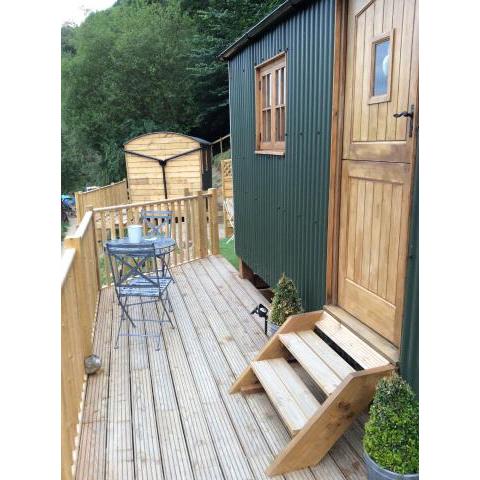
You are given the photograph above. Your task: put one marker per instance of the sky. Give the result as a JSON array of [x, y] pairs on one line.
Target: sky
[[76, 10]]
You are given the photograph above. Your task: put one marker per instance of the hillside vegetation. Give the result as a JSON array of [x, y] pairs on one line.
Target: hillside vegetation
[[143, 66]]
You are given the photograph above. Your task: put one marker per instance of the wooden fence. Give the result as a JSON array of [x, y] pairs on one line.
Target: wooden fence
[[80, 288], [227, 191], [113, 194], [195, 226]]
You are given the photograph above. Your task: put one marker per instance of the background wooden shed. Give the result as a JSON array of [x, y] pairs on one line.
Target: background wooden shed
[[187, 163]]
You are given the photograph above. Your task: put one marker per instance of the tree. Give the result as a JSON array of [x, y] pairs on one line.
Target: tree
[[286, 301], [129, 75], [219, 23], [143, 66]]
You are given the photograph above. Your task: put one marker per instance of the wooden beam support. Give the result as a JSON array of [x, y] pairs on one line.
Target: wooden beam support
[[245, 271], [336, 414], [274, 347]]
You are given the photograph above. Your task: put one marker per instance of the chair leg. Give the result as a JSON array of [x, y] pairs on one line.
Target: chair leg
[[166, 311], [160, 317], [170, 307], [124, 313], [122, 318], [124, 310]]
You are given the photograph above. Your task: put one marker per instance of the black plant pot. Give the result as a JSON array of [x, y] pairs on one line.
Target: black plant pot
[[376, 472]]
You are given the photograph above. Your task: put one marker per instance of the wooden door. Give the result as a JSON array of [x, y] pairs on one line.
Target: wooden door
[[378, 151]]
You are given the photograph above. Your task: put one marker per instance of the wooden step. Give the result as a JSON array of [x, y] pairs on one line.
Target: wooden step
[[350, 343], [367, 334], [320, 361], [291, 398]]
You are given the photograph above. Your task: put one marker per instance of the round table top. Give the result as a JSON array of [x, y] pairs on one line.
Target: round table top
[[162, 244]]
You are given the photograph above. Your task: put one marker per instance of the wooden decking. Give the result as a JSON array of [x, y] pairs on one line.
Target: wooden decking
[[167, 414]]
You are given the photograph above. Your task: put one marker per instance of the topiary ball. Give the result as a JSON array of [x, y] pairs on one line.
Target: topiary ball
[[391, 433]]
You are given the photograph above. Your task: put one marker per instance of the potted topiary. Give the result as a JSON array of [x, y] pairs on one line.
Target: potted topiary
[[286, 302], [391, 433]]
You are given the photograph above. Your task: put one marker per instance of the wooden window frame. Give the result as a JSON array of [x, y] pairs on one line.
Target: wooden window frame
[[375, 41], [270, 66]]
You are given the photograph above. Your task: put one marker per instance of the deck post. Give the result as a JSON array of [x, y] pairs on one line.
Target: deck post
[[200, 226], [202, 217], [78, 208], [213, 220], [245, 271], [89, 208]]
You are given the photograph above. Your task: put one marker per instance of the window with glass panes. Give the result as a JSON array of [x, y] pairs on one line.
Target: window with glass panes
[[270, 105]]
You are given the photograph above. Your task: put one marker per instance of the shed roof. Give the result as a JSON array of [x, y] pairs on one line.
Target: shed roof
[[283, 11], [199, 140]]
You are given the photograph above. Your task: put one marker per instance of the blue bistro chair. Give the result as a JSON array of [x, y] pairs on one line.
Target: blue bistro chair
[[135, 274], [158, 223]]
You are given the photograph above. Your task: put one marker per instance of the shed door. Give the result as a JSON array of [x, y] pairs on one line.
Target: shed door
[[378, 151]]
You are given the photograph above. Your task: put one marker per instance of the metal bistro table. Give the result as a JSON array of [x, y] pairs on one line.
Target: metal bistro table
[[163, 247]]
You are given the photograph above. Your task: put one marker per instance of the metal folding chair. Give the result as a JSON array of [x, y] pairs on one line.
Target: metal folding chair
[[136, 274], [158, 224]]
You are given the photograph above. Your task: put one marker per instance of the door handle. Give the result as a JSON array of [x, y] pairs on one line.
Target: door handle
[[410, 116]]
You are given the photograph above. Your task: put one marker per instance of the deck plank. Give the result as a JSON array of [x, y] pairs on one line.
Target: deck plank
[[91, 460], [249, 434], [235, 318], [222, 430], [277, 436], [260, 406], [172, 433], [148, 460], [120, 458], [232, 277], [168, 414], [227, 296], [204, 459]]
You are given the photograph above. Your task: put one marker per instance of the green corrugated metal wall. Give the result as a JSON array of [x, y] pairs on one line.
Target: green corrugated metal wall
[[281, 202], [409, 346]]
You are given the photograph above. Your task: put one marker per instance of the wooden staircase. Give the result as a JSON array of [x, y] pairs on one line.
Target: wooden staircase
[[344, 367]]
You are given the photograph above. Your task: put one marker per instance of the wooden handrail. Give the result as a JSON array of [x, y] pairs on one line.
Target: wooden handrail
[[113, 184], [150, 202], [80, 293]]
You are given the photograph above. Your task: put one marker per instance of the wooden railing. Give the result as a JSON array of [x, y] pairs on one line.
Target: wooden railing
[[84, 270], [113, 194], [194, 228], [80, 288], [227, 191], [220, 141]]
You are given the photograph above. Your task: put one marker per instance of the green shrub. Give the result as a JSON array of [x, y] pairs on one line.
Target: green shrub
[[286, 301], [391, 433]]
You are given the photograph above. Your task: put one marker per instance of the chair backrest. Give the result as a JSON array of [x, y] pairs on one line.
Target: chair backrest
[[158, 222], [133, 260]]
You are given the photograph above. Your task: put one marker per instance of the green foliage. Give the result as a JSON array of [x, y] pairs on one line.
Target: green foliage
[[227, 250], [221, 156], [129, 75], [64, 229], [143, 66], [286, 301], [219, 23], [391, 433]]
